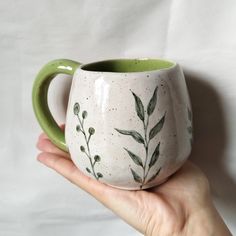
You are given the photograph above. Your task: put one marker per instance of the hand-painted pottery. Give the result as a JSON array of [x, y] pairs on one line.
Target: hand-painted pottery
[[128, 123]]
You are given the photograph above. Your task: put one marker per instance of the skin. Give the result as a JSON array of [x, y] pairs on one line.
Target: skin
[[181, 206]]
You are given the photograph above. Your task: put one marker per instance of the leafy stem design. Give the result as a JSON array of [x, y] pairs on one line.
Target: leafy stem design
[[144, 117], [87, 137], [146, 144]]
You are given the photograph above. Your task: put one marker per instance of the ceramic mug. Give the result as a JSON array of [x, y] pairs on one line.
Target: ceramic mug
[[128, 122]]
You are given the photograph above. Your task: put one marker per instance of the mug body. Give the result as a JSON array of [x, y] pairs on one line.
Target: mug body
[[129, 122]]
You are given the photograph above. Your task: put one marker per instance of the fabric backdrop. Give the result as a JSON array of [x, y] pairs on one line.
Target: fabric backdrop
[[198, 34]]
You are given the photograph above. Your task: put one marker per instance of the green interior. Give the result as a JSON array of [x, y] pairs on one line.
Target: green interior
[[128, 65]]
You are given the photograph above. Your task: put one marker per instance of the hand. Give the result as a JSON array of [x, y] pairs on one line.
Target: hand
[[181, 206]]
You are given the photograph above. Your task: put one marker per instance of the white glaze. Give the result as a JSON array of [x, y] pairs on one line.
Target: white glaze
[[108, 99]]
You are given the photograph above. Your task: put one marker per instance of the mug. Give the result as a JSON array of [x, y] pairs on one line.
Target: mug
[[128, 121]]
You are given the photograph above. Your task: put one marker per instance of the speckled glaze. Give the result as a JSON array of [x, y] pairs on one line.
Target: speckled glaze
[[130, 130]]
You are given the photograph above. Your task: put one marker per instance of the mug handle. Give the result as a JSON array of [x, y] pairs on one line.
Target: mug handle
[[40, 98]]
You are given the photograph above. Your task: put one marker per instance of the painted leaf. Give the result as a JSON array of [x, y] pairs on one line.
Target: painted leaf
[[137, 178], [82, 149], [76, 108], [152, 102], [137, 160], [190, 115], [88, 170], [99, 175], [154, 176], [155, 156], [139, 106], [78, 129], [91, 130], [190, 129], [97, 158], [137, 136], [84, 114], [157, 128]]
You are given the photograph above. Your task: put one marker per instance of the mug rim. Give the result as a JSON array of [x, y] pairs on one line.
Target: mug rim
[[164, 65]]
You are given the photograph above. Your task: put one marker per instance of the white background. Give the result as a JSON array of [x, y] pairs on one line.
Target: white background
[[198, 34]]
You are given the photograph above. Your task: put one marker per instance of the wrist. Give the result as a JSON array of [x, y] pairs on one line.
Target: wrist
[[206, 221]]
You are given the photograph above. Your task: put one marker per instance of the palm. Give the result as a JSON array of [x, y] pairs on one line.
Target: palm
[[164, 209], [160, 210]]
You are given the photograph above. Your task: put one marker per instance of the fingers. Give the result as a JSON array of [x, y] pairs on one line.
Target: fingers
[[45, 145], [67, 169], [43, 136], [115, 199], [124, 203]]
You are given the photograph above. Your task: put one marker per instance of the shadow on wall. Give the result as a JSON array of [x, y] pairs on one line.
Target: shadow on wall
[[210, 133]]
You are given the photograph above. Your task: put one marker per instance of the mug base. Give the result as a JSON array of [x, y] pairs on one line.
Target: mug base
[[138, 188]]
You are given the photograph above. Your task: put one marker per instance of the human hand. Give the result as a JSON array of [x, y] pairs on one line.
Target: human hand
[[181, 206]]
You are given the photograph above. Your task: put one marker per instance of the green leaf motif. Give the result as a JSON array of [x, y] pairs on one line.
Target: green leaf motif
[[190, 116], [91, 130], [157, 128], [99, 175], [139, 106], [97, 158], [82, 149], [88, 170], [155, 156], [76, 108], [137, 136], [136, 177], [137, 160], [84, 114], [78, 129], [87, 137], [154, 176], [152, 103]]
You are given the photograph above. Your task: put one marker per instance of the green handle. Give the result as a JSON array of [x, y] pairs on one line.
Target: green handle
[[40, 101]]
